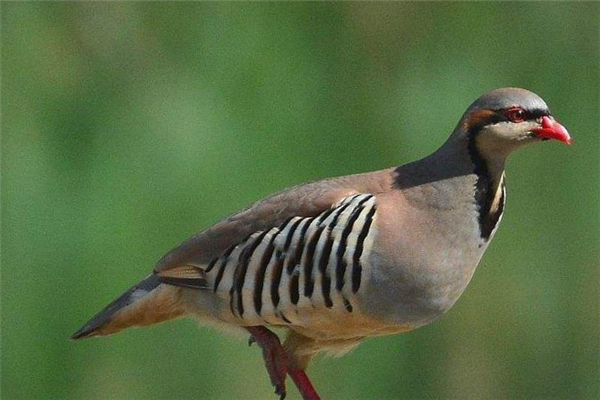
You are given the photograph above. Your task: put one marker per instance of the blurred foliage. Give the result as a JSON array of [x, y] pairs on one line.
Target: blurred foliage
[[127, 127]]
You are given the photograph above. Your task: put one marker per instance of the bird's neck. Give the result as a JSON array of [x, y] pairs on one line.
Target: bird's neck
[[457, 173], [490, 190]]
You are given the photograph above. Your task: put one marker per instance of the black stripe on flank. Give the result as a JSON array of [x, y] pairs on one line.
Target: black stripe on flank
[[239, 276], [324, 260], [323, 263], [219, 275], [279, 261], [309, 283], [341, 249], [223, 260], [347, 305], [293, 267], [285, 224], [299, 248], [290, 233], [325, 214], [337, 212], [356, 265], [294, 288], [340, 269], [211, 265], [260, 273], [276, 279], [284, 318]]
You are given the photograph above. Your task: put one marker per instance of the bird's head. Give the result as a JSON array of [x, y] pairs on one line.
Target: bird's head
[[505, 119]]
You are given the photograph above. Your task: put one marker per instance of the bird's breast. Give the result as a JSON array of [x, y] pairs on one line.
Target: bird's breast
[[422, 264]]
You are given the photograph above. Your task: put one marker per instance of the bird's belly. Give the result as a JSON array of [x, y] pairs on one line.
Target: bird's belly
[[337, 326], [313, 320]]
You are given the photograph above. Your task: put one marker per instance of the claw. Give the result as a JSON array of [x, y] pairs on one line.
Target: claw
[[280, 391]]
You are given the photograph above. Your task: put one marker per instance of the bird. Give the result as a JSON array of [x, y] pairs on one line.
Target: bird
[[336, 261]]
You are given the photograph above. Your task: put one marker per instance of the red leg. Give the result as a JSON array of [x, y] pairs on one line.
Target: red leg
[[303, 384], [273, 354], [278, 364]]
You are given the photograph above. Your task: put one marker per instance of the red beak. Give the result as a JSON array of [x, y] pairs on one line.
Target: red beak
[[551, 129]]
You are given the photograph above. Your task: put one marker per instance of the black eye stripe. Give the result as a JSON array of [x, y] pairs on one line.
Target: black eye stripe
[[481, 118], [530, 114], [536, 113]]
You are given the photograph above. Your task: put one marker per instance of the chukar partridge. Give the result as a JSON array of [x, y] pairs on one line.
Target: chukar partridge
[[347, 258]]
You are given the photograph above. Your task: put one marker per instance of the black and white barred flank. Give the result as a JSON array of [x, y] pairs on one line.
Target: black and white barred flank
[[307, 261]]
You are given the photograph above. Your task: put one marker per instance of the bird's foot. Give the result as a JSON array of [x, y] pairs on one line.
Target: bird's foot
[[273, 354]]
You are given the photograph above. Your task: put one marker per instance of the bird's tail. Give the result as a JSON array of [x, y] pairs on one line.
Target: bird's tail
[[149, 302]]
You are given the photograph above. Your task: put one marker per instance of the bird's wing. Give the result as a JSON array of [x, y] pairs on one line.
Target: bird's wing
[[300, 263], [308, 200]]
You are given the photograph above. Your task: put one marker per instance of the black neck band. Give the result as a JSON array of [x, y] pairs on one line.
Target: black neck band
[[484, 190]]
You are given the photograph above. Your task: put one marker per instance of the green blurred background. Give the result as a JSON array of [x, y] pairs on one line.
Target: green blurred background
[[127, 127]]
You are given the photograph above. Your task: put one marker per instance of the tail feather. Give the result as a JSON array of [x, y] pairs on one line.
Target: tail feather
[[146, 303]]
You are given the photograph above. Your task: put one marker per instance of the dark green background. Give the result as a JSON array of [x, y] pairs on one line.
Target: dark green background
[[127, 127]]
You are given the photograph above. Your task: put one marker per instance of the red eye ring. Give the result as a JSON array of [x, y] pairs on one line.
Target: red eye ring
[[515, 114]]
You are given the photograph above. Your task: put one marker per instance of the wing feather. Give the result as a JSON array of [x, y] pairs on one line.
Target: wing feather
[[301, 201]]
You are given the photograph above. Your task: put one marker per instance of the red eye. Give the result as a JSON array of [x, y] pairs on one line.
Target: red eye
[[515, 114]]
